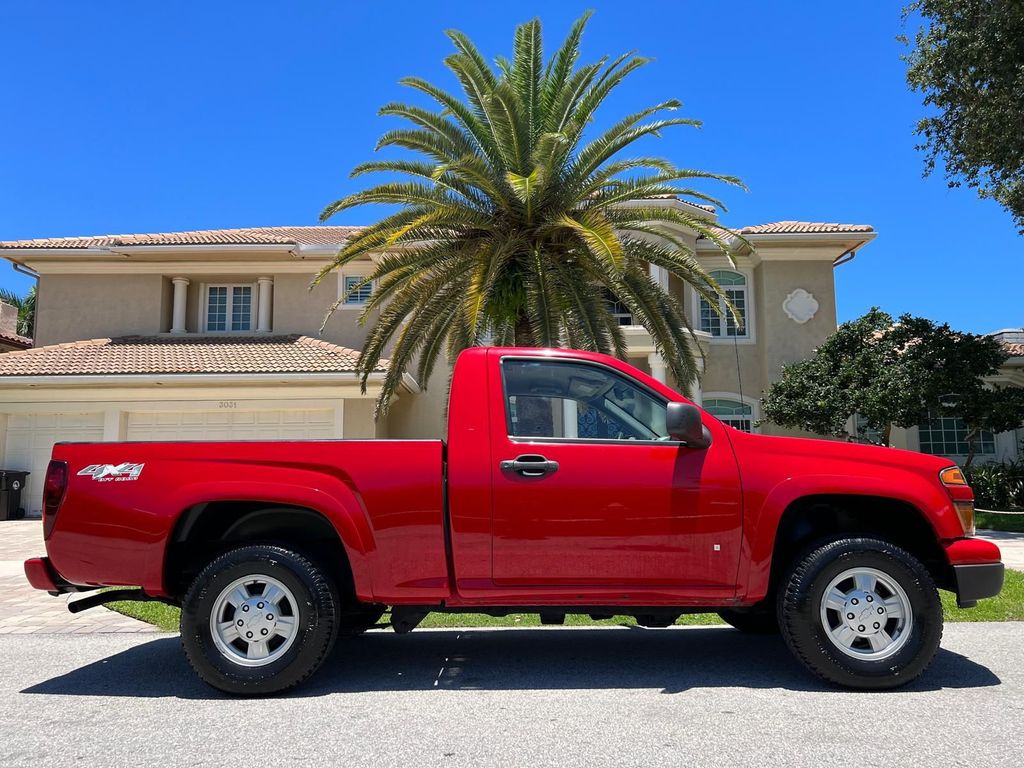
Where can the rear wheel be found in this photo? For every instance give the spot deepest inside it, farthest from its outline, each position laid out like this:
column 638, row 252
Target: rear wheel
column 861, row 613
column 259, row 619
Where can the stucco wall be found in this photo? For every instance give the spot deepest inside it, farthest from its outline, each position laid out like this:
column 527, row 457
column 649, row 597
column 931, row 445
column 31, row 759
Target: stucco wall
column 421, row 415
column 76, row 307
column 786, row 341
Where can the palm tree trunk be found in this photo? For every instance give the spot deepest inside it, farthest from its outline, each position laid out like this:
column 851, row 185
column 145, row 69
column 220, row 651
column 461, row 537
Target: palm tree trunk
column 523, row 332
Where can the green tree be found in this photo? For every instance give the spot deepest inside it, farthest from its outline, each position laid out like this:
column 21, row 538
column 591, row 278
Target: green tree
column 895, row 374
column 26, row 306
column 512, row 227
column 968, row 61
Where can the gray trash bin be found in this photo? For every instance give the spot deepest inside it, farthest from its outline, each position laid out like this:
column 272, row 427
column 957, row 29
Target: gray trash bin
column 12, row 482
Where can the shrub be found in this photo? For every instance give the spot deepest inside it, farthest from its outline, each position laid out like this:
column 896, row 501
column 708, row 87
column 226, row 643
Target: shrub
column 998, row 486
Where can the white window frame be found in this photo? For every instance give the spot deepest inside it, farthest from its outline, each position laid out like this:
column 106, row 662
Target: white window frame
column 749, row 336
column 204, row 306
column 342, row 278
column 979, row 452
column 752, row 403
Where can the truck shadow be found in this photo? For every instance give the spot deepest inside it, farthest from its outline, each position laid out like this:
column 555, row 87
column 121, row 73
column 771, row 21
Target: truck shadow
column 528, row 659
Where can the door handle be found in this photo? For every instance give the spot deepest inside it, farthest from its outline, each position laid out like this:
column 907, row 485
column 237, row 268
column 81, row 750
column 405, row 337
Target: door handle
column 530, row 465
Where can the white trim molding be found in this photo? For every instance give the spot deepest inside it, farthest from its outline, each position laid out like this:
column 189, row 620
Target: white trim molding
column 750, row 337
column 800, row 306
column 753, row 403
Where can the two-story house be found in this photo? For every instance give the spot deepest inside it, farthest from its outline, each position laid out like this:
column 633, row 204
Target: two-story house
column 215, row 335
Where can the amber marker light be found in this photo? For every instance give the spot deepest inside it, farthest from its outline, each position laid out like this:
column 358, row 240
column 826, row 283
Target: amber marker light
column 952, row 476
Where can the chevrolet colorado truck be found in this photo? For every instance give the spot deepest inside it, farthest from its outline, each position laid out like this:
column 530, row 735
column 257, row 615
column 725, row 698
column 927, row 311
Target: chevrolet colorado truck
column 570, row 482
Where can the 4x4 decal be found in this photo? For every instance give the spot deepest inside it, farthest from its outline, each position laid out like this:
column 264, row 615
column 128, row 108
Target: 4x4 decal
column 105, row 473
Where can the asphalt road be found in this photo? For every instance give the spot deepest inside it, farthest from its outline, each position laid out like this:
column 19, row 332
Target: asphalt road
column 552, row 696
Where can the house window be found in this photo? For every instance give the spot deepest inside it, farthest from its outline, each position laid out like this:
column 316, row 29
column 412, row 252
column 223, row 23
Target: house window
column 721, row 323
column 360, row 295
column 228, row 308
column 863, row 430
column 947, row 436
column 732, row 412
column 617, row 309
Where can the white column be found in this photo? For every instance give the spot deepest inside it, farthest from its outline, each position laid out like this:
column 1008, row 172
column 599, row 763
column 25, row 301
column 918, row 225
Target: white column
column 659, row 370
column 180, row 302
column 695, row 394
column 266, row 285
column 659, row 275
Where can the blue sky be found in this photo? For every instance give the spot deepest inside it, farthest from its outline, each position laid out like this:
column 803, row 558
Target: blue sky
column 136, row 117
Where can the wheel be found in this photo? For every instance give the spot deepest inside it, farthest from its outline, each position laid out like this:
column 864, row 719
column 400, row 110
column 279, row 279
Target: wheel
column 258, row 620
column 752, row 621
column 861, row 613
column 359, row 617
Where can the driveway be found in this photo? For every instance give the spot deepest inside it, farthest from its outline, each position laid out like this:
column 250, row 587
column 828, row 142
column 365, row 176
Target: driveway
column 25, row 611
column 543, row 697
column 1010, row 544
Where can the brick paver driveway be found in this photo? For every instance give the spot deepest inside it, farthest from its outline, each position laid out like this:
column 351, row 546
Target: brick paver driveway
column 24, row 610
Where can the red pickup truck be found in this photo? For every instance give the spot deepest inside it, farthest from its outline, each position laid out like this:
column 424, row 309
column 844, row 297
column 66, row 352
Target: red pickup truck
column 570, row 483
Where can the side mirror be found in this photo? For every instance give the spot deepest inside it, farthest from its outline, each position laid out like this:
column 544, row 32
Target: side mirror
column 684, row 424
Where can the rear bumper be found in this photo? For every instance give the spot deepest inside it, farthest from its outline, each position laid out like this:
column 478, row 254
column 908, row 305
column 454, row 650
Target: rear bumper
column 42, row 575
column 976, row 581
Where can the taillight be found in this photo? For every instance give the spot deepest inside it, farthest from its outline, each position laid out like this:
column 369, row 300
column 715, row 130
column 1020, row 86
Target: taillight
column 54, row 488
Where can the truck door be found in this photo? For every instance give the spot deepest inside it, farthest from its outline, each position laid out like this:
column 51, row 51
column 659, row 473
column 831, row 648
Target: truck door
column 588, row 491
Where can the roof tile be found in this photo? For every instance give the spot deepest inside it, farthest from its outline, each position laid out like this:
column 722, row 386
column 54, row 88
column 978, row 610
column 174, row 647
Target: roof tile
column 320, row 235
column 182, row 355
column 803, row 227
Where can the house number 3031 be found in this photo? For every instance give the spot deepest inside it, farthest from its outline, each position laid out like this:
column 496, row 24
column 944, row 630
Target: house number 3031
column 228, row 403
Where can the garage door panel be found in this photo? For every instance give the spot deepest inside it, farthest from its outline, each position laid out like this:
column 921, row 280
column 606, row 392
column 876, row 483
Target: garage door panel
column 230, row 424
column 29, row 442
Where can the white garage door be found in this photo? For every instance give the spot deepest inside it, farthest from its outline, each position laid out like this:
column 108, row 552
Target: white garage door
column 30, row 437
column 231, row 424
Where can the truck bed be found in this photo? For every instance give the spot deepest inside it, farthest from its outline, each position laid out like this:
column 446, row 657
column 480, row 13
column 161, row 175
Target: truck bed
column 126, row 502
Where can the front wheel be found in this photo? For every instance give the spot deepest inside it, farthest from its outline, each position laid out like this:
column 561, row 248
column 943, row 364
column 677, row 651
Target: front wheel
column 258, row 620
column 861, row 613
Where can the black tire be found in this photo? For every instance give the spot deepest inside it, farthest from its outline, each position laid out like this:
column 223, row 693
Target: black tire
column 752, row 621
column 357, row 618
column 316, row 623
column 799, row 610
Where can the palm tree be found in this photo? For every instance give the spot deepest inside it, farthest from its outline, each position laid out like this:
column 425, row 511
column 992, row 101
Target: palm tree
column 512, row 228
column 26, row 306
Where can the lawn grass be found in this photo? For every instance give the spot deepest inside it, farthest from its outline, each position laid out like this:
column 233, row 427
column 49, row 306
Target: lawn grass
column 995, row 521
column 1008, row 606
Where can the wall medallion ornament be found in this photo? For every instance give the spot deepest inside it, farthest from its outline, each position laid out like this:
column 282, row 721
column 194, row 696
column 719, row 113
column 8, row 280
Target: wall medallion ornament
column 800, row 306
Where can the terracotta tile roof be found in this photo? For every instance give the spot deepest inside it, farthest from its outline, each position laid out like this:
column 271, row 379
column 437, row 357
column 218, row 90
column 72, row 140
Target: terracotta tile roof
column 14, row 340
column 244, row 236
column 182, row 354
column 708, row 208
column 1014, row 349
column 803, row 227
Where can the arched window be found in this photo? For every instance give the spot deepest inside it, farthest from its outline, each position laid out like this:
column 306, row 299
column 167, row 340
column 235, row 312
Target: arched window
column 721, row 323
column 732, row 412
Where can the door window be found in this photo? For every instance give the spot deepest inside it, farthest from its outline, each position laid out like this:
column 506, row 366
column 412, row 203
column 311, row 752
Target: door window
column 568, row 400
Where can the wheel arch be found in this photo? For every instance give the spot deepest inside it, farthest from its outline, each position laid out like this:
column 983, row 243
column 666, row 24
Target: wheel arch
column 205, row 529
column 813, row 518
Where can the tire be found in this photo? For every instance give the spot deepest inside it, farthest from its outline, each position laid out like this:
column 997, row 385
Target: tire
column 818, row 631
column 358, row 618
column 260, row 591
column 752, row 621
